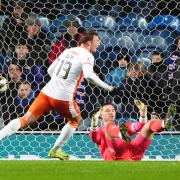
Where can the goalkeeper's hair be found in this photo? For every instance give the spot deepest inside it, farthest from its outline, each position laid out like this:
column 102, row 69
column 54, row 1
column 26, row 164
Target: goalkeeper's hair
column 109, row 101
column 98, row 106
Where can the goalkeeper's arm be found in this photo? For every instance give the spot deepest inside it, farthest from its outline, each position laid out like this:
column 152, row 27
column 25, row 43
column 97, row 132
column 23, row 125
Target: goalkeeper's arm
column 91, row 76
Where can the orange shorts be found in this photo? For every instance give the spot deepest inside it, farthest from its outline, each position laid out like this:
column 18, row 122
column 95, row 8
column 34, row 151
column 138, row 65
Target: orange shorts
column 43, row 103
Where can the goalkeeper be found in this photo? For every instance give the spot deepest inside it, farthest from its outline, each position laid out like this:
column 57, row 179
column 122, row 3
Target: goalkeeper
column 114, row 140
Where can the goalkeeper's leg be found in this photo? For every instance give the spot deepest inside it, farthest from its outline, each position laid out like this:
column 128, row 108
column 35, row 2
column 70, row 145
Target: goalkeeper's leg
column 158, row 125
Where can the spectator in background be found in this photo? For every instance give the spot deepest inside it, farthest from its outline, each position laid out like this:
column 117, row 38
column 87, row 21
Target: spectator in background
column 15, row 73
column 37, row 40
column 158, row 72
column 12, row 28
column 40, row 44
column 24, row 97
column 23, row 100
column 135, row 86
column 8, row 109
column 157, row 65
column 70, row 39
column 116, row 76
column 174, row 60
column 22, row 57
column 22, row 60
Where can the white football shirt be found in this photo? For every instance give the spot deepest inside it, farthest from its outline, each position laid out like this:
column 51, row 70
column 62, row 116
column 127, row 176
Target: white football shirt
column 66, row 73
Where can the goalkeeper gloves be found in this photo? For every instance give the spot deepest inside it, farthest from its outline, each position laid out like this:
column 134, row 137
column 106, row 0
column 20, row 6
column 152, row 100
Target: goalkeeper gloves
column 95, row 118
column 142, row 109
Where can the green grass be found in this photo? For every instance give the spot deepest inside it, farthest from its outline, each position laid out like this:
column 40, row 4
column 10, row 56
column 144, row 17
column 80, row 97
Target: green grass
column 89, row 170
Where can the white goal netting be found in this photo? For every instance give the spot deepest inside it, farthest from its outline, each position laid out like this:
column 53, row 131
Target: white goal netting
column 144, row 33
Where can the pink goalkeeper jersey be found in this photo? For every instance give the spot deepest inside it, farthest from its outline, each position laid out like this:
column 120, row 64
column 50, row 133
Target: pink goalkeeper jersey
column 119, row 149
column 98, row 137
column 67, row 72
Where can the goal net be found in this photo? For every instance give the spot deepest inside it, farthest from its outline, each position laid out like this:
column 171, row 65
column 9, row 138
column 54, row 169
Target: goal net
column 145, row 33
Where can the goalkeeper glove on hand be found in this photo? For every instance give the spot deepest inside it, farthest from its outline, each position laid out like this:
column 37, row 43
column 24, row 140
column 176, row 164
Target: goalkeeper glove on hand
column 95, row 118
column 142, row 108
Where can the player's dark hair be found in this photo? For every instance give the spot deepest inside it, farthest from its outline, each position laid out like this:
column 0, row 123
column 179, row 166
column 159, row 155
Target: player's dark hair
column 124, row 56
column 88, row 36
column 158, row 53
column 109, row 101
column 24, row 82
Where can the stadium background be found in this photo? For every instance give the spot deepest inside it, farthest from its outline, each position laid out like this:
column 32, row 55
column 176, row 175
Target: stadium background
column 140, row 26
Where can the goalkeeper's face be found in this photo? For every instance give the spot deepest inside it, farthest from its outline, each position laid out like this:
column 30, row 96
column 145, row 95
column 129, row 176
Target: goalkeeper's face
column 108, row 113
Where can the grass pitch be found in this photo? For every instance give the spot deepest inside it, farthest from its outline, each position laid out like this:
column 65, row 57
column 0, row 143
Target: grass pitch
column 89, row 170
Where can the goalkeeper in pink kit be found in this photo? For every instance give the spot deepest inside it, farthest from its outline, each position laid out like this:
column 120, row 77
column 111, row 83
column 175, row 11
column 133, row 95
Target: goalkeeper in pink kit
column 114, row 140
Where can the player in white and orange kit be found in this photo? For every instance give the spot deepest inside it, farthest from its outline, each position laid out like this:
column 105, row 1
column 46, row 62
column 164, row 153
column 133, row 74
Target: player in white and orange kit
column 58, row 94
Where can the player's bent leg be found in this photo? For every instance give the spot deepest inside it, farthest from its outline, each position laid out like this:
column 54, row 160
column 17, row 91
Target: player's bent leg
column 69, row 110
column 158, row 125
column 66, row 132
column 154, row 125
column 139, row 147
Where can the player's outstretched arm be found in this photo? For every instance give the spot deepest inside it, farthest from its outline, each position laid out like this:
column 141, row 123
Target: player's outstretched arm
column 91, row 76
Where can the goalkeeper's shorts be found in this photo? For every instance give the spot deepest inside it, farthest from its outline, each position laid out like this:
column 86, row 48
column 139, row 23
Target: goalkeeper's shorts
column 129, row 151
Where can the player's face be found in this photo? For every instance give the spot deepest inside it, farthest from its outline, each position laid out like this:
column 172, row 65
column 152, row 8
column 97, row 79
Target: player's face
column 122, row 63
column 14, row 72
column 18, row 11
column 24, row 91
column 108, row 113
column 94, row 44
column 156, row 58
column 134, row 72
column 22, row 51
column 72, row 30
column 34, row 29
